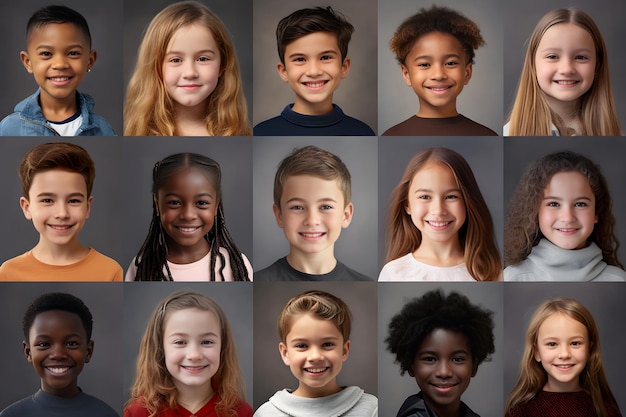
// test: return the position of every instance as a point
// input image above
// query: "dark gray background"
(271, 374)
(483, 154)
(604, 300)
(608, 152)
(103, 230)
(234, 154)
(520, 19)
(236, 16)
(484, 394)
(141, 298)
(397, 101)
(356, 246)
(103, 83)
(356, 94)
(101, 377)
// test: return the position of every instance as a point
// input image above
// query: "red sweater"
(137, 409)
(560, 404)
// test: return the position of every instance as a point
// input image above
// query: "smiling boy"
(58, 54)
(440, 341)
(313, 48)
(435, 50)
(57, 342)
(57, 179)
(312, 203)
(314, 329)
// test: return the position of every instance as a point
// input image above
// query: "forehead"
(432, 173)
(313, 43)
(309, 187)
(191, 320)
(57, 33)
(188, 177)
(308, 326)
(194, 36)
(57, 181)
(566, 35)
(561, 324)
(57, 323)
(569, 182)
(436, 44)
(444, 341)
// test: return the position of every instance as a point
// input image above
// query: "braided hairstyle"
(151, 261)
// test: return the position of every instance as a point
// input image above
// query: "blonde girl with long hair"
(564, 88)
(561, 372)
(186, 81)
(187, 363)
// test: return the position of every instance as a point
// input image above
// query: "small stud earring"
(88, 69)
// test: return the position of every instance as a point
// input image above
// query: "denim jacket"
(28, 119)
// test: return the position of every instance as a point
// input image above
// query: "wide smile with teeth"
(194, 368)
(564, 366)
(315, 84)
(312, 235)
(566, 82)
(188, 229)
(57, 370)
(438, 223)
(567, 229)
(316, 370)
(440, 88)
(59, 79)
(59, 227)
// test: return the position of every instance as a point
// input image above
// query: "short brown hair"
(58, 155)
(311, 160)
(321, 305)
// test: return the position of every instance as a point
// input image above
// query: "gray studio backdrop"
(604, 300)
(271, 374)
(356, 94)
(483, 154)
(236, 15)
(141, 298)
(101, 377)
(103, 230)
(519, 153)
(484, 394)
(103, 83)
(520, 18)
(480, 100)
(234, 154)
(356, 246)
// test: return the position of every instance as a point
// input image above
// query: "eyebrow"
(428, 190)
(204, 51)
(175, 194)
(182, 334)
(67, 336)
(435, 353)
(304, 339)
(549, 197)
(72, 46)
(300, 199)
(328, 51)
(559, 49)
(431, 57)
(56, 195)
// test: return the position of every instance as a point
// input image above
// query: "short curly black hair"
(57, 301)
(421, 316)
(436, 19)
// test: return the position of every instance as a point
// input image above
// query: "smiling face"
(443, 368)
(437, 70)
(191, 68)
(314, 68)
(192, 345)
(58, 206)
(567, 214)
(565, 62)
(562, 347)
(436, 205)
(58, 348)
(187, 204)
(59, 56)
(314, 350)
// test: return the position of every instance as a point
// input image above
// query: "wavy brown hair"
(533, 377)
(531, 115)
(153, 384)
(521, 231)
(477, 236)
(149, 110)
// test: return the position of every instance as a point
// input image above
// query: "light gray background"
(236, 16)
(483, 154)
(608, 152)
(271, 374)
(520, 19)
(103, 230)
(356, 94)
(101, 377)
(603, 299)
(141, 298)
(103, 83)
(234, 154)
(356, 246)
(397, 101)
(484, 394)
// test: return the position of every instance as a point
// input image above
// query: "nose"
(313, 67)
(312, 218)
(57, 351)
(188, 212)
(566, 66)
(567, 214)
(62, 212)
(189, 70)
(193, 352)
(438, 206)
(315, 354)
(60, 61)
(444, 369)
(564, 351)
(437, 72)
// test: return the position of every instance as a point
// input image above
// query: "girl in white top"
(188, 239)
(439, 227)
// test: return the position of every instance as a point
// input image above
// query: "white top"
(196, 271)
(407, 268)
(507, 127)
(67, 128)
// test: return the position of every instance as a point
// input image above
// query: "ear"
(278, 215)
(406, 75)
(26, 347)
(92, 59)
(156, 204)
(346, 351)
(89, 351)
(411, 372)
(282, 71)
(536, 354)
(348, 211)
(26, 61)
(345, 67)
(468, 73)
(25, 205)
(284, 355)
(89, 200)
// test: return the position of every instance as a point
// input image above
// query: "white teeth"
(315, 370)
(438, 224)
(59, 79)
(317, 84)
(312, 234)
(187, 229)
(57, 370)
(60, 227)
(567, 82)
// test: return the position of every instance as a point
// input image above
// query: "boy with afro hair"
(435, 49)
(440, 341)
